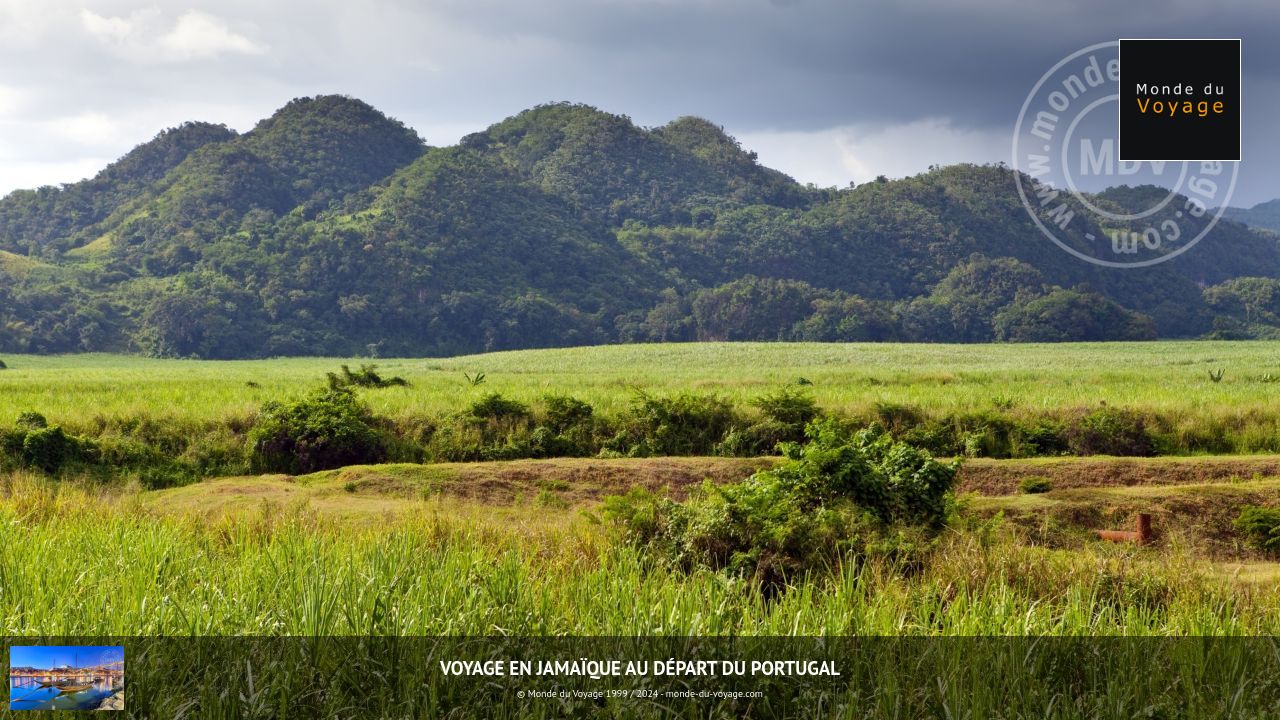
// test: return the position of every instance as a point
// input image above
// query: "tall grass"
(76, 562)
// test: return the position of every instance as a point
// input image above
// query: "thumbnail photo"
(66, 677)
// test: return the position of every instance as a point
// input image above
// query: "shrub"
(49, 448)
(1109, 431)
(366, 376)
(34, 443)
(936, 436)
(32, 420)
(785, 415)
(898, 417)
(760, 438)
(565, 413)
(570, 429)
(1035, 484)
(837, 493)
(457, 441)
(1043, 436)
(492, 428)
(328, 429)
(495, 407)
(788, 406)
(684, 424)
(3, 366)
(544, 442)
(11, 446)
(984, 434)
(498, 429)
(1260, 527)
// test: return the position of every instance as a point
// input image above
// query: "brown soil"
(1001, 477)
(586, 480)
(575, 480)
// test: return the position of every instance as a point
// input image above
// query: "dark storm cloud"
(810, 65)
(84, 81)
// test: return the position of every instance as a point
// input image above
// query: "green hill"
(330, 228)
(606, 167)
(1263, 215)
(31, 220)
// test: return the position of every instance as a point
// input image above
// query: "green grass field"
(1171, 377)
(519, 548)
(326, 561)
(177, 570)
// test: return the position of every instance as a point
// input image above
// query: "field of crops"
(519, 548)
(1172, 377)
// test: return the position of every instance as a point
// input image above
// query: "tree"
(1071, 315)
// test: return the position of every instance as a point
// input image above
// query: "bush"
(50, 448)
(1043, 436)
(565, 413)
(898, 417)
(165, 475)
(1109, 431)
(684, 424)
(495, 407)
(328, 429)
(11, 446)
(837, 493)
(789, 407)
(761, 438)
(366, 377)
(32, 420)
(985, 434)
(3, 366)
(575, 426)
(786, 413)
(1035, 484)
(33, 443)
(144, 460)
(46, 448)
(495, 428)
(1260, 527)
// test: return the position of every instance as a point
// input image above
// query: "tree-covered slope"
(1263, 215)
(608, 168)
(308, 156)
(31, 220)
(331, 229)
(455, 252)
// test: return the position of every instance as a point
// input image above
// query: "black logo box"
(1180, 62)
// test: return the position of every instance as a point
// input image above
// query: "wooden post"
(1144, 528)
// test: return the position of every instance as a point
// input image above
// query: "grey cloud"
(753, 65)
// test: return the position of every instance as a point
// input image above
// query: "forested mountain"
(331, 229)
(1263, 215)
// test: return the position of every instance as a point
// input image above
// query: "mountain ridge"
(1264, 215)
(330, 228)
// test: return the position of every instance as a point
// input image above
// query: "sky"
(829, 91)
(46, 657)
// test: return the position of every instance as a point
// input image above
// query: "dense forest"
(331, 229)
